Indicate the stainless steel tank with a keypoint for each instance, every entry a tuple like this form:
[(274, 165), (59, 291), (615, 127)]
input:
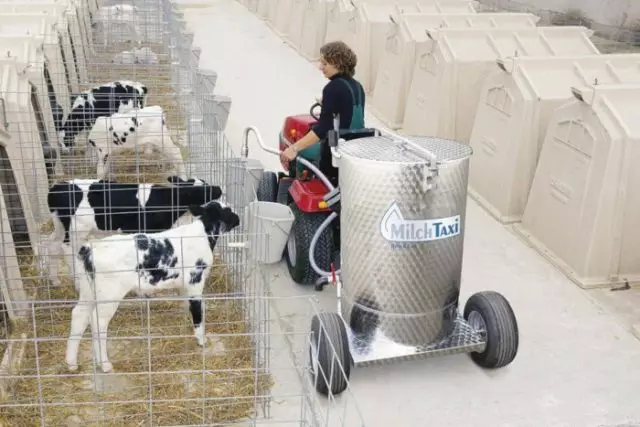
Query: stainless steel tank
[(402, 230)]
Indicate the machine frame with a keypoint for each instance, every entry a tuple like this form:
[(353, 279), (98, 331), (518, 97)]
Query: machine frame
[(486, 329)]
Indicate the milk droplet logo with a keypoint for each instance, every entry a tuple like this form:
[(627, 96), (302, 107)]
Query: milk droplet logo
[(395, 228)]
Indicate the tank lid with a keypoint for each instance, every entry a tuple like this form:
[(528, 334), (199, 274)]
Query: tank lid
[(390, 148)]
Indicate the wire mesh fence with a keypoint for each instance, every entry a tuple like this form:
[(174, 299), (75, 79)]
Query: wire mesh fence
[(161, 377), (110, 130)]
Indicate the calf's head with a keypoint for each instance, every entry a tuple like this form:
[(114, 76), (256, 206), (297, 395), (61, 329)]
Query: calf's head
[(195, 191), (217, 219)]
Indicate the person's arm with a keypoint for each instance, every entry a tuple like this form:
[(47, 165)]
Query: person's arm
[(305, 142)]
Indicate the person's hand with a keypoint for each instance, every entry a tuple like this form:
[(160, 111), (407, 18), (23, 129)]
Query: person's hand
[(319, 100), (289, 154)]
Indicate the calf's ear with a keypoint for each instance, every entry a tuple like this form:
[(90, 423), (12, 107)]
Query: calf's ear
[(230, 218), (216, 192), (196, 210), (175, 179)]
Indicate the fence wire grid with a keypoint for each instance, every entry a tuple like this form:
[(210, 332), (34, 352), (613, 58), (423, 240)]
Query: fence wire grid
[(105, 110)]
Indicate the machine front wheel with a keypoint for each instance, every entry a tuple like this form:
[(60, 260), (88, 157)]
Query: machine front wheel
[(329, 354), (490, 314), (268, 187), (297, 251)]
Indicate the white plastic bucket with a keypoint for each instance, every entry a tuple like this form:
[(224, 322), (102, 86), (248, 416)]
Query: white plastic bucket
[(243, 178), (269, 227)]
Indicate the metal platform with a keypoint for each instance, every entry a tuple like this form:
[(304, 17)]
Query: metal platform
[(378, 349)]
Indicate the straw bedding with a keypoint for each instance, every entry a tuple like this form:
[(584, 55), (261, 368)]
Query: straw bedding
[(145, 369), (145, 386)]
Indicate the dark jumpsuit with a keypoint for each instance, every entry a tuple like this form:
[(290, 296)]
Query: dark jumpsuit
[(345, 96), (338, 99)]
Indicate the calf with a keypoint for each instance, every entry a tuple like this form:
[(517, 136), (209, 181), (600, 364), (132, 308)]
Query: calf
[(179, 258), (104, 100), (131, 129), (143, 56), (81, 206)]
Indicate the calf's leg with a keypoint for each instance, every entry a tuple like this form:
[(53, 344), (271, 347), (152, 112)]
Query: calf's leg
[(195, 287), (55, 250), (80, 316), (196, 309), (79, 229), (100, 318), (101, 167), (173, 152)]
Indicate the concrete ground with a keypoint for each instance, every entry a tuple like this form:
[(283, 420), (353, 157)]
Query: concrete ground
[(578, 363)]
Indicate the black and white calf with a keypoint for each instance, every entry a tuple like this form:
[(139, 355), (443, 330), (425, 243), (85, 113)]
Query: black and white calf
[(134, 128), (104, 100), (144, 263), (82, 206)]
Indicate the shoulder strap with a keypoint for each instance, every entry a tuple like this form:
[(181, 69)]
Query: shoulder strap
[(357, 101)]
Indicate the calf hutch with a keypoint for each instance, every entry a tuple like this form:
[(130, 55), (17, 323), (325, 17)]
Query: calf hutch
[(69, 23), (368, 23), (516, 103), (24, 170), (314, 29), (341, 12), (142, 169), (57, 41), (447, 78), (584, 200), (408, 38), (18, 227), (58, 56), (49, 114)]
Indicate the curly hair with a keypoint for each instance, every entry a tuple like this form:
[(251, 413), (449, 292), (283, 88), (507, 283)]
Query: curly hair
[(340, 56)]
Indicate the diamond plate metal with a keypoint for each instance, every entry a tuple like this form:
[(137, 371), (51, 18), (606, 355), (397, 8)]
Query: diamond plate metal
[(378, 349), (409, 290)]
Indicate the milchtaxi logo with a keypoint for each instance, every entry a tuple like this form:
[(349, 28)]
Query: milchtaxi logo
[(395, 228)]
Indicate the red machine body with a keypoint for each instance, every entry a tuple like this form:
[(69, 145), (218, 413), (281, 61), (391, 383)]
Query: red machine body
[(306, 190)]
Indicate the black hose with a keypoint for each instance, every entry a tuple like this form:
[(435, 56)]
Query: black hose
[(317, 104)]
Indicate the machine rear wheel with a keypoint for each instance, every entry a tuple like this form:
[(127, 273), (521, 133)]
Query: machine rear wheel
[(297, 252), (491, 314), (268, 187), (329, 354)]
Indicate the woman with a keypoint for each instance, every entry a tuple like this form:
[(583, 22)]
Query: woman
[(343, 97)]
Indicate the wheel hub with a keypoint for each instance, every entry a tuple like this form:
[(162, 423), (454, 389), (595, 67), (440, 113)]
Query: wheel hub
[(477, 323), (291, 249), (314, 358)]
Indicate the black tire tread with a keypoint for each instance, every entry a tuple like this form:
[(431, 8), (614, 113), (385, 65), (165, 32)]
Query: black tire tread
[(268, 187), (502, 329), (336, 333), (304, 227)]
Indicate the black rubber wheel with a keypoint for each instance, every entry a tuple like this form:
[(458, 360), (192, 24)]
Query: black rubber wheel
[(268, 187), (302, 231), (490, 313), (329, 337)]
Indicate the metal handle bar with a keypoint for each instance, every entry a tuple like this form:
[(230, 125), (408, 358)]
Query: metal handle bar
[(305, 162), (245, 142), (431, 155)]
